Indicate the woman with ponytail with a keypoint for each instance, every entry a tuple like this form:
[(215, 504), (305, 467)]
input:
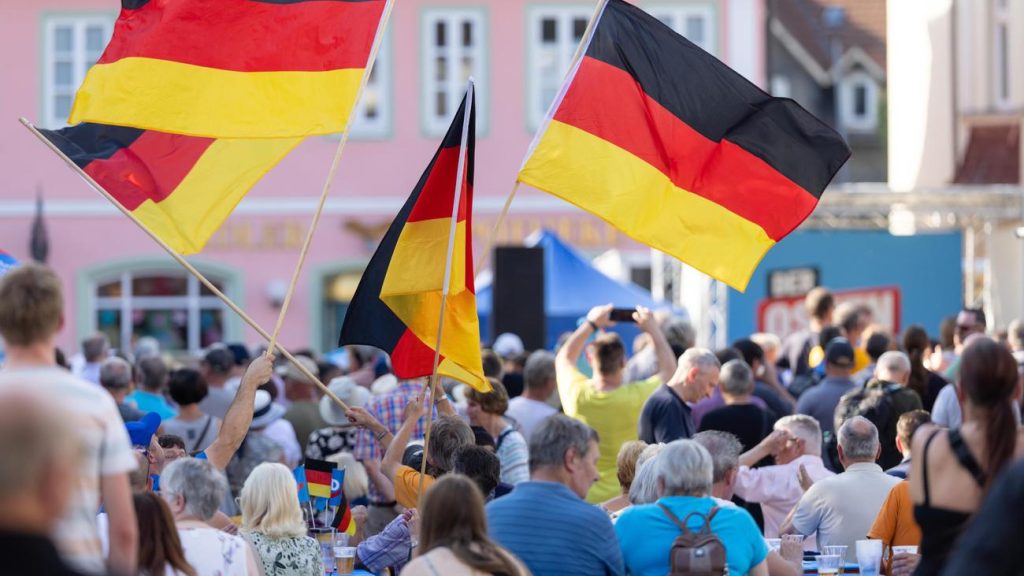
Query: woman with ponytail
[(952, 470), (453, 537), (926, 383)]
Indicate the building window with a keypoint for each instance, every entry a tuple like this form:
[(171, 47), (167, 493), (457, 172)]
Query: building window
[(553, 36), (693, 21), (453, 51), (71, 45), (859, 102), (373, 113), (1001, 54), (169, 305)]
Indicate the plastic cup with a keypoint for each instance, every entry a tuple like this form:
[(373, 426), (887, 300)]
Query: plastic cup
[(325, 537), (774, 543), (836, 551), (904, 549), (829, 564), (869, 556), (344, 560)]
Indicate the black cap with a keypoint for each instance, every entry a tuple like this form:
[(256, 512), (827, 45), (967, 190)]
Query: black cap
[(219, 359), (839, 353)]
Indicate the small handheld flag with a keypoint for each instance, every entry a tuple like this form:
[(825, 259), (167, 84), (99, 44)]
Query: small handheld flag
[(318, 477), (337, 483), (300, 481)]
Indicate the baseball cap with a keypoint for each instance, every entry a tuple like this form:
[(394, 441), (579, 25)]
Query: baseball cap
[(141, 431), (219, 359), (839, 353)]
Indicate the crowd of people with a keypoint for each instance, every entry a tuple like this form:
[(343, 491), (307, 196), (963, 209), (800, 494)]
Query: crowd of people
[(582, 460)]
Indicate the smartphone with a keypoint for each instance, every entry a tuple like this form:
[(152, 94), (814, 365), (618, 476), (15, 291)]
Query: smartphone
[(622, 315)]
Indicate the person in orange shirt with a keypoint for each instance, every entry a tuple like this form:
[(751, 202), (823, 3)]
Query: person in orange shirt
[(895, 524)]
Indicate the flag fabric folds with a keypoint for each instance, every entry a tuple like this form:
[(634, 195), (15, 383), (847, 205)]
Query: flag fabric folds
[(318, 478), (180, 187), (232, 68), (337, 482), (680, 152), (396, 306), (300, 482)]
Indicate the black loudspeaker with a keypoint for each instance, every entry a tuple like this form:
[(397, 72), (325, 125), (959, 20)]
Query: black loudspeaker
[(518, 295)]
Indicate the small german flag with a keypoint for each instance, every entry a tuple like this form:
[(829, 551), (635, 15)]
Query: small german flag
[(343, 515), (674, 148), (318, 478), (397, 305), (181, 187), (232, 68)]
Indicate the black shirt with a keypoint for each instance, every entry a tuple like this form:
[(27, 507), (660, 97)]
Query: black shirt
[(665, 417), (30, 555), (746, 421)]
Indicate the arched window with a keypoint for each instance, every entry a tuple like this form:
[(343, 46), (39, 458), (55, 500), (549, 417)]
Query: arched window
[(130, 300), (859, 102)]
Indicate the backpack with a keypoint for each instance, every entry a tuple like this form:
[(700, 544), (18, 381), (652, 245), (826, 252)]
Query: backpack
[(804, 382), (877, 405), (696, 553)]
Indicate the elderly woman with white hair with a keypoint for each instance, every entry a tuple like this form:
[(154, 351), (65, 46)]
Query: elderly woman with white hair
[(193, 489), (272, 522), (683, 473)]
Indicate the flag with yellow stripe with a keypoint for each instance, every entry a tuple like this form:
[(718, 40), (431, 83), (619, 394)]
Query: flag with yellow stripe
[(232, 68), (180, 187), (397, 305), (680, 152)]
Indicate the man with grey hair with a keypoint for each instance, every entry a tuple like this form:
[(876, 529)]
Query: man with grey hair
[(841, 509), (193, 489), (151, 378), (882, 401), (666, 416), (531, 407), (725, 450), (685, 474), (545, 521), (795, 444), (739, 416), (95, 349), (116, 379)]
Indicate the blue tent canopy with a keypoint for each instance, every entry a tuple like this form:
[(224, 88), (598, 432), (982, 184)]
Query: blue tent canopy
[(572, 287)]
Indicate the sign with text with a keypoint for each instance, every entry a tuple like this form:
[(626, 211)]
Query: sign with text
[(792, 281), (784, 316)]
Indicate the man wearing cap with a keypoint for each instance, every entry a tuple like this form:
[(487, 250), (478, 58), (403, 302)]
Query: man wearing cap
[(216, 369), (304, 406), (821, 400), (143, 436)]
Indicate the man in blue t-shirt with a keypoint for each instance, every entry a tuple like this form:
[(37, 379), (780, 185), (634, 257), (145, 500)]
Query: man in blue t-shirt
[(684, 475), (545, 522)]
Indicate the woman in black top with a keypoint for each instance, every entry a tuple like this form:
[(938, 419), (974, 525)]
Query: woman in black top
[(949, 479)]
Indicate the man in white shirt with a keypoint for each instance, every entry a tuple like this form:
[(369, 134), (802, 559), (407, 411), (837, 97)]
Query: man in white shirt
[(531, 408), (841, 509), (31, 315), (795, 444)]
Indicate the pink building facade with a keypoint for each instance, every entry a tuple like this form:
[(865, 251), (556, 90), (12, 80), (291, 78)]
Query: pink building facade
[(119, 282)]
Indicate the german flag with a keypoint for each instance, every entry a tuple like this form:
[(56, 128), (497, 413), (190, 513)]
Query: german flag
[(343, 514), (232, 68), (318, 478), (181, 187), (678, 151), (397, 304)]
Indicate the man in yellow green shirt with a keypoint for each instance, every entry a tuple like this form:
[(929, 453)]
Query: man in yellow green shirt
[(606, 402)]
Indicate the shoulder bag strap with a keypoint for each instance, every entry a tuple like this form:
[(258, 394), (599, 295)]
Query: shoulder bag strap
[(202, 435)]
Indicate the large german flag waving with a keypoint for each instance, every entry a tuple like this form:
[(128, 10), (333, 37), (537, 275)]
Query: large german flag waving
[(232, 68), (680, 152), (181, 188), (397, 304)]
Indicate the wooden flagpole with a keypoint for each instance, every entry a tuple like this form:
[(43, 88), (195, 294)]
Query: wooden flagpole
[(446, 287), (382, 26), (180, 260), (588, 34)]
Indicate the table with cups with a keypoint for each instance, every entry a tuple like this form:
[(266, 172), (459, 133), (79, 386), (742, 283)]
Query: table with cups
[(869, 553), (338, 557)]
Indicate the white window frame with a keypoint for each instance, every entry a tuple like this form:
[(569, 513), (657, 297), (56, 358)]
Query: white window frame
[(79, 56), (379, 128), (867, 122), (453, 85), (565, 48), (193, 303), (679, 13), (1002, 84)]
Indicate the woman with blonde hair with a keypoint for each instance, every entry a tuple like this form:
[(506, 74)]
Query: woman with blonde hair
[(453, 534), (272, 522), (625, 470)]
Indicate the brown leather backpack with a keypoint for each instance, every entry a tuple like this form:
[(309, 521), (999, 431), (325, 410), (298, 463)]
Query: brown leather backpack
[(696, 553)]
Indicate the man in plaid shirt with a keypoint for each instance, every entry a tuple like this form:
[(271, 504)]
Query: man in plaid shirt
[(388, 409)]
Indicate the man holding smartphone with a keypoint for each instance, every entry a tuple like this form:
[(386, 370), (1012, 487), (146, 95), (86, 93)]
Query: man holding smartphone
[(606, 402)]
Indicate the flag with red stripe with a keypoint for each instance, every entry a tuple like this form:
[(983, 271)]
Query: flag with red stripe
[(680, 152), (397, 305), (318, 478)]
